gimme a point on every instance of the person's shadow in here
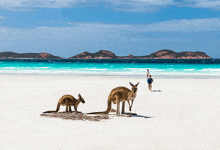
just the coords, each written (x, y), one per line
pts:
(140, 116)
(156, 91)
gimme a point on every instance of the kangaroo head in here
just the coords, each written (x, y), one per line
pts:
(134, 87)
(81, 99)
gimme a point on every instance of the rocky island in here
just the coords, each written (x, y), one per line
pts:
(12, 55)
(169, 54)
(102, 54)
(161, 54)
(105, 54)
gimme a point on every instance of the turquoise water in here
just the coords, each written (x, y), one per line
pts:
(107, 68)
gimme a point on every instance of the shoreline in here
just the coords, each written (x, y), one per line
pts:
(120, 76)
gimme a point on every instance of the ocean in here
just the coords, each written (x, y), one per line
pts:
(164, 67)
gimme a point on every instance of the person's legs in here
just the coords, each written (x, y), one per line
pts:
(150, 86)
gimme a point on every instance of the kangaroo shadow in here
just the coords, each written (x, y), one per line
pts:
(139, 116)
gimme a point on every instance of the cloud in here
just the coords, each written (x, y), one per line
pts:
(97, 31)
(1, 17)
(100, 30)
(122, 39)
(122, 5)
(193, 25)
(30, 4)
(140, 5)
(210, 4)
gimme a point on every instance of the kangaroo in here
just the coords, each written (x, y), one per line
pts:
(120, 94)
(68, 101)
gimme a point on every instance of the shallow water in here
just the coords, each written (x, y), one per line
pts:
(111, 67)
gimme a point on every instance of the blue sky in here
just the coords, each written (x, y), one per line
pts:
(140, 27)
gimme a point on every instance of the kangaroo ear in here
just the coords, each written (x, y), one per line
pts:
(79, 95)
(137, 84)
(131, 84)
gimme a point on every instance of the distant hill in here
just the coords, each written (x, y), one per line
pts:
(161, 54)
(169, 54)
(102, 54)
(13, 55)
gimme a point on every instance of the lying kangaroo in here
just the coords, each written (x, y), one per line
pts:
(120, 94)
(68, 101)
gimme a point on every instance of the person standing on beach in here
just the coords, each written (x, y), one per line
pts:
(148, 72)
(149, 81)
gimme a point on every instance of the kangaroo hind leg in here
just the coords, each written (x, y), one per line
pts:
(123, 108)
(70, 110)
(118, 108)
(67, 108)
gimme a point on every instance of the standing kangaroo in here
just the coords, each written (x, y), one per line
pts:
(68, 101)
(120, 94)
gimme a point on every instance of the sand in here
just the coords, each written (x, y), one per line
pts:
(183, 115)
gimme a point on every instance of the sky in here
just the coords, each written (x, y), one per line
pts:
(139, 27)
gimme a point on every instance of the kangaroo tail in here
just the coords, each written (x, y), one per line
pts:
(104, 112)
(58, 108)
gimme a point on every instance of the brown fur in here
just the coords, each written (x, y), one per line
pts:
(120, 94)
(68, 101)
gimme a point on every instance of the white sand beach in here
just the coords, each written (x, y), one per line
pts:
(185, 115)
